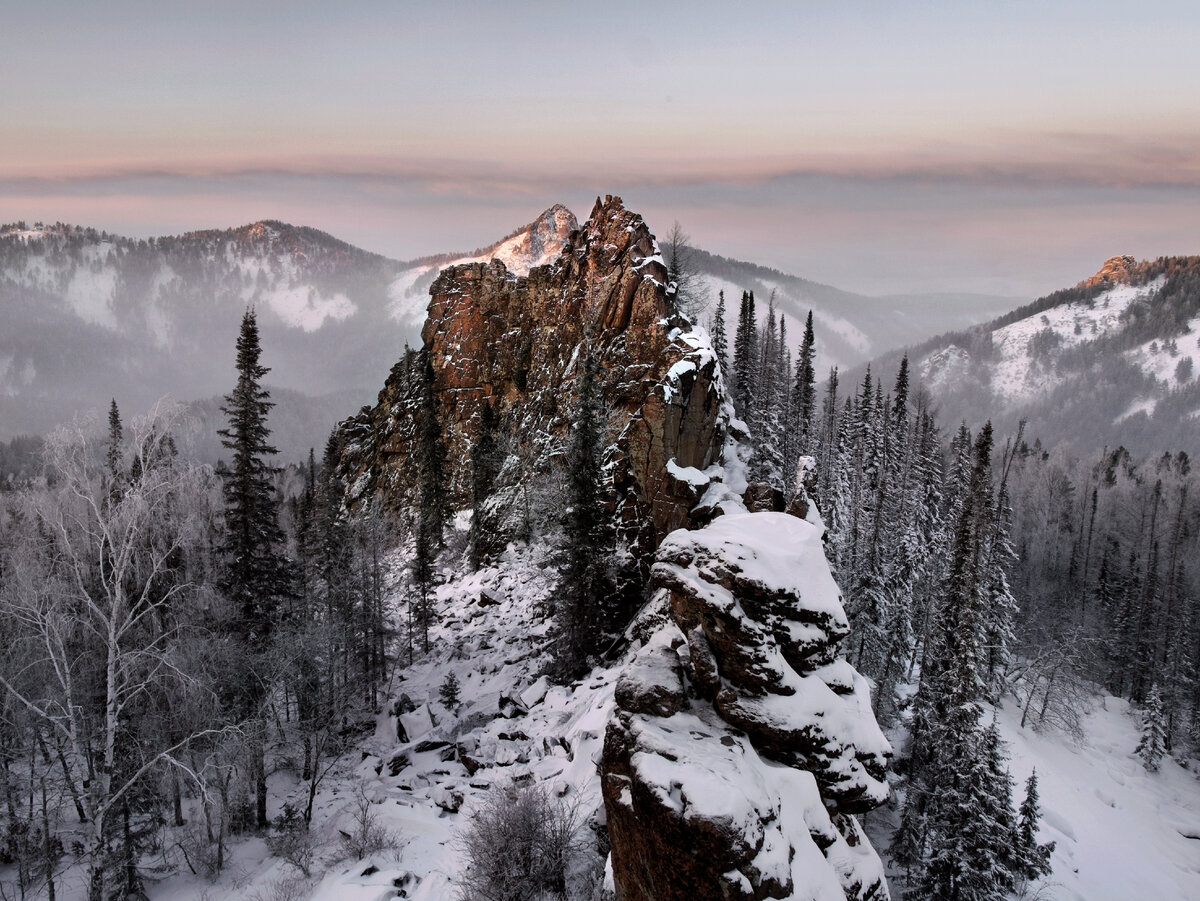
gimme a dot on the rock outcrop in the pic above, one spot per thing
(517, 343)
(742, 743)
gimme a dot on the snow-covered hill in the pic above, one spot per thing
(850, 328)
(91, 316)
(1112, 361)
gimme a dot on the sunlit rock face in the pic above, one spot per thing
(743, 743)
(518, 343)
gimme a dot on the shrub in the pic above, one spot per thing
(367, 835)
(522, 844)
(292, 840)
(449, 691)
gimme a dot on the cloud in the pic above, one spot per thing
(1014, 160)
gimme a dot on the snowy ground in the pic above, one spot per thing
(1121, 833)
(491, 633)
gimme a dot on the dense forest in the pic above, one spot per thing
(975, 569)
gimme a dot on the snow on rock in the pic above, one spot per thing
(749, 791)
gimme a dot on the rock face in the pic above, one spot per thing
(517, 343)
(742, 743)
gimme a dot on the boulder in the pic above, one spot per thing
(742, 743)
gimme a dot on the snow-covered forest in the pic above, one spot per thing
(252, 681)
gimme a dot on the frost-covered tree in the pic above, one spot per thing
(1152, 745)
(1032, 859)
(720, 340)
(100, 601)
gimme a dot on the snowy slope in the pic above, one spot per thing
(1017, 374)
(1120, 833)
(1112, 361)
(491, 631)
(535, 244)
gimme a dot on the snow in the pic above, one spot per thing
(775, 551)
(304, 307)
(406, 304)
(1121, 832)
(688, 474)
(1145, 405)
(1017, 376)
(1160, 359)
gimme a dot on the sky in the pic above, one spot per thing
(999, 147)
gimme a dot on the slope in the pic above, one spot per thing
(1111, 361)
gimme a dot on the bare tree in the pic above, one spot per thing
(93, 603)
(680, 258)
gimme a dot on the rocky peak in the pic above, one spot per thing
(1120, 270)
(515, 342)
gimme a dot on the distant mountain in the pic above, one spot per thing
(1112, 361)
(851, 328)
(91, 316)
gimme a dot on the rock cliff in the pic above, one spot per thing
(516, 343)
(742, 743)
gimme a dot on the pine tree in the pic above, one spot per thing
(720, 341)
(1152, 745)
(256, 575)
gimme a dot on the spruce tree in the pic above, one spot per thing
(256, 574)
(485, 467)
(720, 341)
(433, 504)
(1032, 860)
(587, 589)
(1152, 745)
(745, 360)
(804, 389)
(115, 450)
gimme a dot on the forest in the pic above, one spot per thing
(177, 630)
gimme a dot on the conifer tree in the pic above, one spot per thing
(433, 504)
(1032, 860)
(256, 576)
(114, 452)
(804, 388)
(745, 360)
(720, 340)
(1152, 745)
(485, 467)
(587, 588)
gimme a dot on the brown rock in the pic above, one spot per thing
(517, 342)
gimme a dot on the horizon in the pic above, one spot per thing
(1005, 151)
